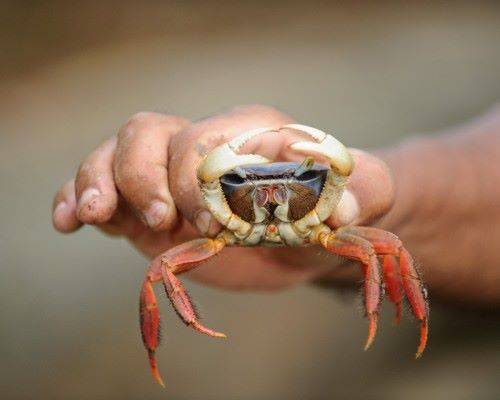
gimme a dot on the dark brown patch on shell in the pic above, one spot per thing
(302, 200)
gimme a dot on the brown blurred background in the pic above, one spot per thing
(72, 72)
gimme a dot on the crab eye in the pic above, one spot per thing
(308, 176)
(232, 179)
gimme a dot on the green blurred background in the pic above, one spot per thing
(72, 72)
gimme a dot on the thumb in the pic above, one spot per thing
(369, 194)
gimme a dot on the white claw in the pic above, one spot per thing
(240, 140)
(331, 148)
(224, 158)
(326, 145)
(313, 132)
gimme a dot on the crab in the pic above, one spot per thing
(265, 203)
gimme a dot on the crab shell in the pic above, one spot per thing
(225, 158)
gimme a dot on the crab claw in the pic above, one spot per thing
(224, 157)
(326, 145)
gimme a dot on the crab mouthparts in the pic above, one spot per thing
(272, 194)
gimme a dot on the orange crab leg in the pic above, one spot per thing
(163, 268)
(386, 243)
(393, 283)
(417, 297)
(150, 326)
(357, 248)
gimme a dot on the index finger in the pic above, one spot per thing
(369, 193)
(140, 166)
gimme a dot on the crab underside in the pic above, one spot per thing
(283, 204)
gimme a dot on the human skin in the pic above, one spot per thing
(447, 208)
(440, 195)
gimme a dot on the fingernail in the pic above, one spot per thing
(347, 209)
(156, 214)
(202, 221)
(87, 196)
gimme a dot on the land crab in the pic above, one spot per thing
(264, 203)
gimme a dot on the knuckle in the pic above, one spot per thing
(264, 114)
(85, 168)
(142, 117)
(259, 109)
(145, 121)
(136, 123)
(140, 121)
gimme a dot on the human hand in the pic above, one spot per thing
(141, 184)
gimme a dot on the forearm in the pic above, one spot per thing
(447, 209)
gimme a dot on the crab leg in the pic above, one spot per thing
(388, 244)
(393, 283)
(163, 268)
(357, 248)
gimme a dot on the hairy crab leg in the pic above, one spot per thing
(417, 297)
(163, 268)
(393, 283)
(150, 326)
(357, 248)
(386, 243)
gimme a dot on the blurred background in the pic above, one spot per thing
(73, 72)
